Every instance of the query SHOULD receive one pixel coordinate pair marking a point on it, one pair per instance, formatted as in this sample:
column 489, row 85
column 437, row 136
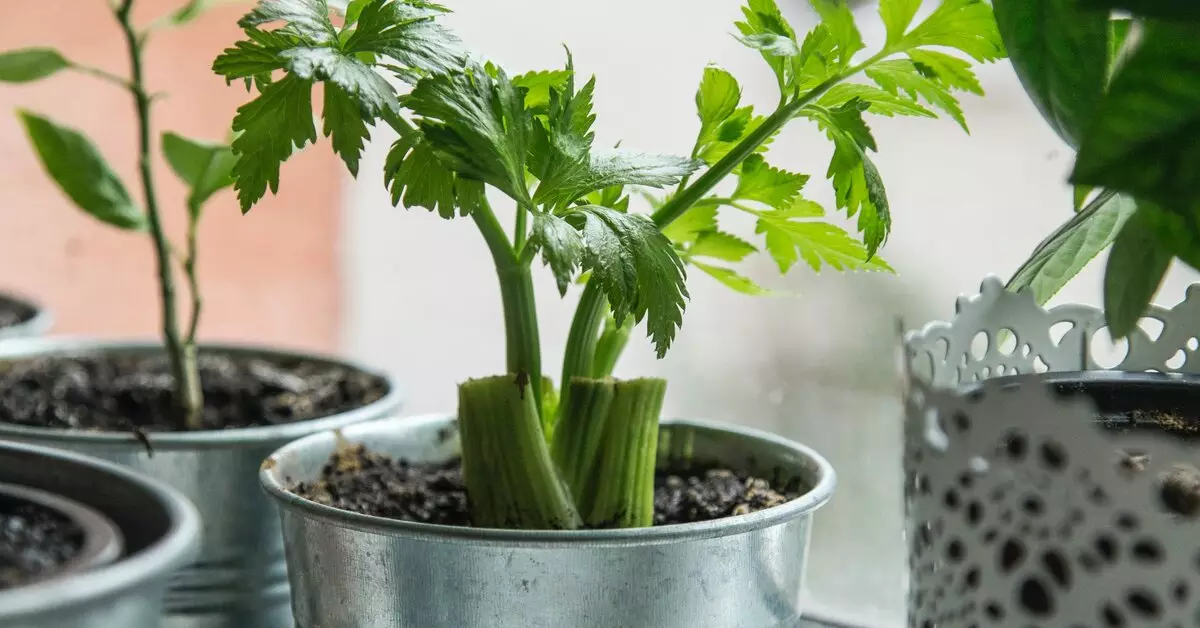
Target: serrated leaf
column 765, row 29
column 717, row 143
column 966, row 25
column 897, row 16
column 878, row 101
column 819, row 244
column 372, row 93
column 951, row 71
column 1135, row 270
column 638, row 269
column 561, row 246
column 307, row 19
column 347, row 126
column 30, row 64
column 74, row 163
column 732, row 279
column 758, row 181
column 900, row 76
column 1060, row 257
column 1059, row 52
column 1145, row 137
column 817, row 62
column 721, row 245
column 205, row 167
column 407, row 32
column 836, row 16
column 696, row 220
column 272, row 126
column 417, row 178
column 537, row 86
column 716, row 99
column 255, row 56
column 771, row 44
column 599, row 170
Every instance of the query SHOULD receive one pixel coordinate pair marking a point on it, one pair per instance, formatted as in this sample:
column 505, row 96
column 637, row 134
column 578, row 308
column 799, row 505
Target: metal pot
column 355, row 571
column 159, row 527
column 239, row 579
column 37, row 324
column 102, row 540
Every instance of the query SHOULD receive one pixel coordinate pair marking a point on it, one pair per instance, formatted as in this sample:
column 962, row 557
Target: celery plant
column 466, row 125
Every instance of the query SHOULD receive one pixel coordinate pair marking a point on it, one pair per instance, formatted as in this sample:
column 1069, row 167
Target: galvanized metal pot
column 355, row 571
column 239, row 579
column 38, row 324
column 159, row 527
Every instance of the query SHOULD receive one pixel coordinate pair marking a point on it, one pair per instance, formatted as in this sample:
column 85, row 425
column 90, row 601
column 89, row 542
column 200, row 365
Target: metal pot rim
column 159, row 560
column 102, row 539
column 19, row 348
column 817, row 496
column 41, row 322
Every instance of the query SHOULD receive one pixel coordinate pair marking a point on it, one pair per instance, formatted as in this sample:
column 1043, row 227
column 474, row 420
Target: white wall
column 422, row 299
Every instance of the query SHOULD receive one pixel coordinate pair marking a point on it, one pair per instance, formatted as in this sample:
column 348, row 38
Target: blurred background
column 330, row 265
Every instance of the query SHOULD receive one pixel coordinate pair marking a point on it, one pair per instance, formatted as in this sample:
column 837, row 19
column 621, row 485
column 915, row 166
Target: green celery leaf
column 722, row 246
column 1059, row 52
column 406, row 31
column 897, row 16
column 637, row 267
column 717, row 98
column 1136, row 267
column 817, row 62
column 345, row 124
column 307, row 19
column 357, row 80
column 878, row 101
column 561, row 246
column 900, row 76
column 696, row 220
column 951, row 71
column 417, row 178
column 477, row 124
column 765, row 29
column 836, row 16
column 73, row 161
column 1145, row 138
column 609, row 168
column 1060, row 257
column 966, row 25
column 256, row 55
column 1185, row 10
column 732, row 279
column 205, row 167
column 770, row 44
column 272, row 126
column 537, row 86
column 818, row 243
column 717, row 143
column 758, row 181
column 30, row 64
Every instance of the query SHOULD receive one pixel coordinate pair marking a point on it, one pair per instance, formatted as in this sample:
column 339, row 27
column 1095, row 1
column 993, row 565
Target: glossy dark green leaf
column 1136, row 267
column 82, row 173
column 1060, row 53
column 30, row 64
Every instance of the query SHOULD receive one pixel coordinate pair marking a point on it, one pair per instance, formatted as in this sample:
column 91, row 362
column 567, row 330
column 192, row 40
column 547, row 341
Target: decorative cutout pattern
column 1018, row 513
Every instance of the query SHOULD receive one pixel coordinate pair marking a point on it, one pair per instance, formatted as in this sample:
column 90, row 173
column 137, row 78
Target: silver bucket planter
column 239, row 579
column 158, row 526
column 38, row 323
column 356, row 571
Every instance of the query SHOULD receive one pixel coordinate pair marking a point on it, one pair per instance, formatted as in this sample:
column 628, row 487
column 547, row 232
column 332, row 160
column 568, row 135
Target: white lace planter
column 1028, row 505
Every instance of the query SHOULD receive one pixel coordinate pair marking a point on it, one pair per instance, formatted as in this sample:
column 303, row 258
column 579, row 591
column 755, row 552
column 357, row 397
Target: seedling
column 467, row 127
column 81, row 172
column 1124, row 90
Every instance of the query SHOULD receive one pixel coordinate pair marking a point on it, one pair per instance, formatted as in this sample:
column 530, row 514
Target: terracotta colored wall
column 267, row 277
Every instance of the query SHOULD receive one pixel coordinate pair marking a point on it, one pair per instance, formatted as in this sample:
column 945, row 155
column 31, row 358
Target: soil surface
column 14, row 312
column 1179, row 487
column 358, row 480
column 136, row 392
column 34, row 541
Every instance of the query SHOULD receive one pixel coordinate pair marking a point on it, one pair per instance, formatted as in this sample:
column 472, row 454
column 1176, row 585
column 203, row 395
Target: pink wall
column 268, row 277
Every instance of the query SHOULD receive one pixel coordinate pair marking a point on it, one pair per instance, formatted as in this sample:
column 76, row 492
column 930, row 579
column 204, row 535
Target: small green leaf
column 1184, row 10
column 897, row 16
column 1080, row 194
column 30, row 64
column 345, row 123
column 407, row 32
column 206, row 168
column 836, row 16
column 951, row 71
column 765, row 29
column 1135, row 270
column 1060, row 257
column 732, row 279
column 696, row 220
column 307, row 19
column 966, row 25
column 190, row 11
column 818, row 243
column 1059, row 52
column 537, row 86
column 722, row 246
column 878, row 101
column 418, row 178
column 81, row 172
column 772, row 44
column 611, row 168
column 272, row 126
column 900, row 76
column 1145, row 138
column 1118, row 34
column 716, row 99
column 758, row 181
column 561, row 246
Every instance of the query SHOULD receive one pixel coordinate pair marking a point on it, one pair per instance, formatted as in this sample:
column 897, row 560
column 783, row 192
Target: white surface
column 422, row 299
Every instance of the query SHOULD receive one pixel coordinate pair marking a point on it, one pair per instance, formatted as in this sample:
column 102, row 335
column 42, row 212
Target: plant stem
column 187, row 395
column 511, row 481
column 609, row 346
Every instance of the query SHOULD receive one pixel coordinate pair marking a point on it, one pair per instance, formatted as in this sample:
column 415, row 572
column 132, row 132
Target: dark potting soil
column 116, row 392
column 34, row 540
column 362, row 481
column 14, row 312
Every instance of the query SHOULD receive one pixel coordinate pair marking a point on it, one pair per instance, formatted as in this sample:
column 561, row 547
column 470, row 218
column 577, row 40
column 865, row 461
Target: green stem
column 511, row 480
column 188, row 396
column 606, row 446
column 610, row 345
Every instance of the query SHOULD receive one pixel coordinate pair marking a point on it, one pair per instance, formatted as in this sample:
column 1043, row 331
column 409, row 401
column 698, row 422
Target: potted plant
column 198, row 416
column 86, row 543
column 541, row 507
column 19, row 317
